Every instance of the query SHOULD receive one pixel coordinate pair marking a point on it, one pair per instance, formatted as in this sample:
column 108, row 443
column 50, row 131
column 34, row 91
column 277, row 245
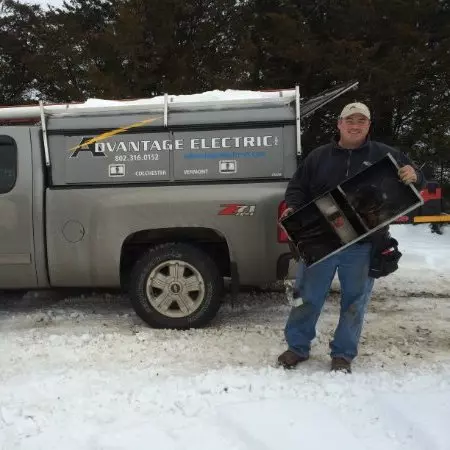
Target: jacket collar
column 336, row 146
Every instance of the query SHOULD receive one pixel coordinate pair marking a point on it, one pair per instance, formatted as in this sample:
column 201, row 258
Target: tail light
column 282, row 236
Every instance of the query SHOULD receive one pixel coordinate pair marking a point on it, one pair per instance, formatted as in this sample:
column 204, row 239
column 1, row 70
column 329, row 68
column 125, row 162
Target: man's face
column 354, row 128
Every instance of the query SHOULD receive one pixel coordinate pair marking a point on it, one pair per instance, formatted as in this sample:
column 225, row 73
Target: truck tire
column 177, row 286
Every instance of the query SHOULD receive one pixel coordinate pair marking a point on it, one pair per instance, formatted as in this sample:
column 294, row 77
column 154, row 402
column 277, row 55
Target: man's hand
column 407, row 174
column 286, row 212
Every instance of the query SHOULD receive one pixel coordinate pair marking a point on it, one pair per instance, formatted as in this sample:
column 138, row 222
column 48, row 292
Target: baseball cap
column 354, row 108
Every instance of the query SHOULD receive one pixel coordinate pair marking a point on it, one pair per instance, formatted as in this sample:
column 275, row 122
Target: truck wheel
column 176, row 286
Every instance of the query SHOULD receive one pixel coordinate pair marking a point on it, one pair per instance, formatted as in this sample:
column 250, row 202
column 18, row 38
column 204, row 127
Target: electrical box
column 352, row 211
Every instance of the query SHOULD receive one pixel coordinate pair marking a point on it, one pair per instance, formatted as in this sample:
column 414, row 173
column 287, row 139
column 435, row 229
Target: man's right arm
column 298, row 190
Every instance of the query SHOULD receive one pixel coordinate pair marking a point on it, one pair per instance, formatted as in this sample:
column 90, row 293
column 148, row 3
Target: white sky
column 44, row 3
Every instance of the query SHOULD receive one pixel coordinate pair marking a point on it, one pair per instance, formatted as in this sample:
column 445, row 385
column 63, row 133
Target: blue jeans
column 313, row 285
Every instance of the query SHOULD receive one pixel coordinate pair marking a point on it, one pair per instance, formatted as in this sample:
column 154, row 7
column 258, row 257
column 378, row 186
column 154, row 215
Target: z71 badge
column 236, row 209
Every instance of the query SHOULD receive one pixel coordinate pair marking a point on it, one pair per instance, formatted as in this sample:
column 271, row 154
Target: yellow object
column 426, row 219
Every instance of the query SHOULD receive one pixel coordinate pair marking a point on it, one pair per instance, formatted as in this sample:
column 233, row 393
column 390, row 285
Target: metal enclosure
column 252, row 139
column 354, row 210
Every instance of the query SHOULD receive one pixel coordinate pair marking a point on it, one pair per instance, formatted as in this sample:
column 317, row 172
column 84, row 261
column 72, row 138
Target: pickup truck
column 166, row 198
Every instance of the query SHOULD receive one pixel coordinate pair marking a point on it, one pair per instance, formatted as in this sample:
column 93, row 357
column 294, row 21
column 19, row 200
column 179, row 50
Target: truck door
column 17, row 268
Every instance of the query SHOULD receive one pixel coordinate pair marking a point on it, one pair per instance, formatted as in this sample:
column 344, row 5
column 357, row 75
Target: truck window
column 8, row 164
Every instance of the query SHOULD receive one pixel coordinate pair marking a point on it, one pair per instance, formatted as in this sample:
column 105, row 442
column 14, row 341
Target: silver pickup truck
column 166, row 200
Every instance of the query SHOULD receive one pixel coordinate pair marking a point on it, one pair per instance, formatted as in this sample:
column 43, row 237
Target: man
column 323, row 169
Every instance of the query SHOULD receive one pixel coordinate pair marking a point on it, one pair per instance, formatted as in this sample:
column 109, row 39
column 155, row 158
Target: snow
column 425, row 264
column 208, row 96
column 86, row 373
column 215, row 99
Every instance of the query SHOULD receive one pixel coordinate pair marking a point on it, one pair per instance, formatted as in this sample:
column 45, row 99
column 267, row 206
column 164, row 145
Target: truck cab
column 20, row 211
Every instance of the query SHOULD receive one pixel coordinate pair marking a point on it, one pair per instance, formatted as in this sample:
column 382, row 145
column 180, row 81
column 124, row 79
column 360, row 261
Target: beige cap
column 355, row 108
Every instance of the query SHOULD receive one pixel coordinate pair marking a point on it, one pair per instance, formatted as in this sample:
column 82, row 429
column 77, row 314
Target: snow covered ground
column 86, row 373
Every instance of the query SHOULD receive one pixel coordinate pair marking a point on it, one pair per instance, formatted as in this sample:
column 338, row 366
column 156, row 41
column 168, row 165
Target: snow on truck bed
column 209, row 96
column 85, row 373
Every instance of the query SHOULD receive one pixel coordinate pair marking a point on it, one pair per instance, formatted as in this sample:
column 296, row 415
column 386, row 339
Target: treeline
column 398, row 50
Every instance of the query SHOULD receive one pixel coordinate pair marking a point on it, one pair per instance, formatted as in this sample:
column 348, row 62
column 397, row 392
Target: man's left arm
column 409, row 172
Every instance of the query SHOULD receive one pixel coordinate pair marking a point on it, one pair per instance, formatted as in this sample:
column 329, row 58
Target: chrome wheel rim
column 175, row 288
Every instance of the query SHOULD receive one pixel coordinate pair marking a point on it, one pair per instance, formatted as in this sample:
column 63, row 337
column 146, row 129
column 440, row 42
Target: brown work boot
column 341, row 365
column 289, row 359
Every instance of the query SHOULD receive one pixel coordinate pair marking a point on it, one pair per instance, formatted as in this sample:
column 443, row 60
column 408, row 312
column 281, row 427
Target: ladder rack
column 158, row 105
column 162, row 104
column 151, row 105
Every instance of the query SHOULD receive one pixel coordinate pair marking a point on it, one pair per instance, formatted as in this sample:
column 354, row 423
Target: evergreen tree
column 399, row 51
column 18, row 45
